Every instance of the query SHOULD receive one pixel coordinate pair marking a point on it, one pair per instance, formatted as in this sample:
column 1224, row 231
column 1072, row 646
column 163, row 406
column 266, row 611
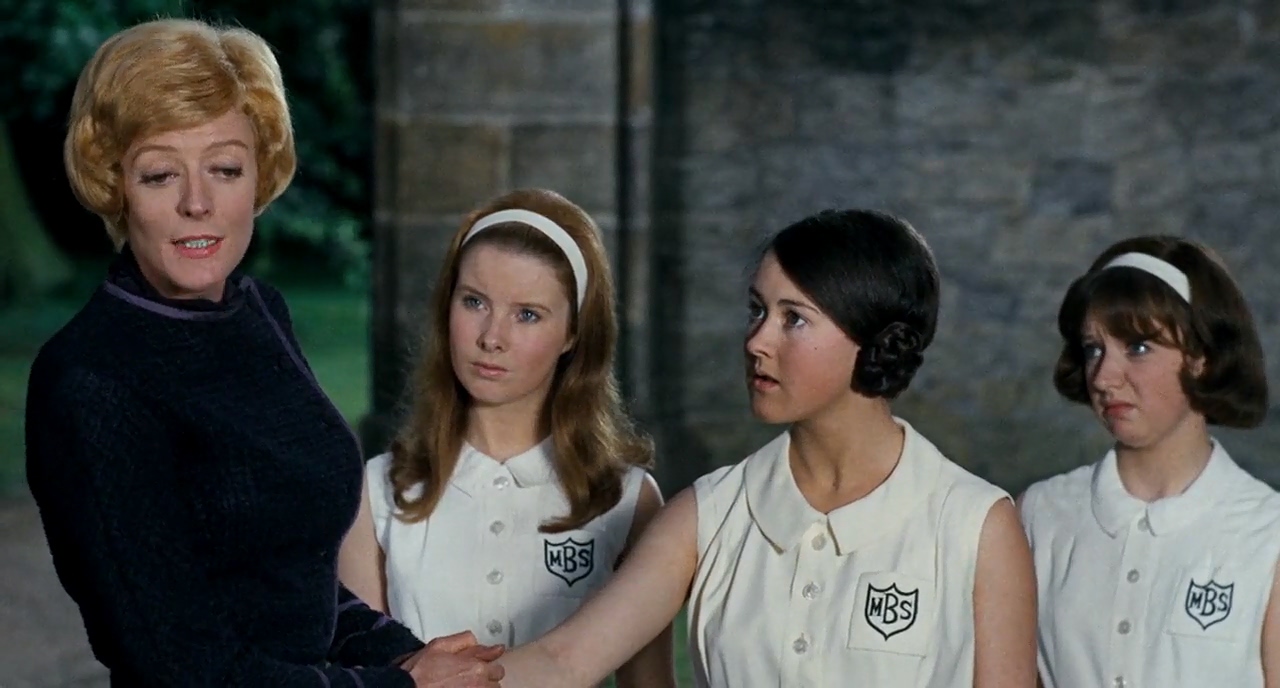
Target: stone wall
column 1020, row 136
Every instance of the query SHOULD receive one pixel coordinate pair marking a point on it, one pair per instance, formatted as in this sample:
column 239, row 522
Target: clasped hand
column 455, row 661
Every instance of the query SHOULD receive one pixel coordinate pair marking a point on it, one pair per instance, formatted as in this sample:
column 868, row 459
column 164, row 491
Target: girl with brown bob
column 1156, row 566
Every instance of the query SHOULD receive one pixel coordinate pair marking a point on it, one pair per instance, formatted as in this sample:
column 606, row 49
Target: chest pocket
column 893, row 615
column 571, row 564
column 1212, row 603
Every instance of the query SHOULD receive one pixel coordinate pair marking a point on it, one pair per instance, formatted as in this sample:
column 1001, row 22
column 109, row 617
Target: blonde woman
column 193, row 480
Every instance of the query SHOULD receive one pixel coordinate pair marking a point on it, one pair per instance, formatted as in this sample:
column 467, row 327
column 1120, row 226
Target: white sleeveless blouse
column 479, row 563
column 876, row 593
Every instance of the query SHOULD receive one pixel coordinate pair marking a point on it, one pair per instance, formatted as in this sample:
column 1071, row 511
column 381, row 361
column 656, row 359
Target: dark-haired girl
column 849, row 550
column 1157, row 564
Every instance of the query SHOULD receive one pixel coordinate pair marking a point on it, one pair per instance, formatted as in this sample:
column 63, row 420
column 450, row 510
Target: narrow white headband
column 1167, row 273
column 553, row 231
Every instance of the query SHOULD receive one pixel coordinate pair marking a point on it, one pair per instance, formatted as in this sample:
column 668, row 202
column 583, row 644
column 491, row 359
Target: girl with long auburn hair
column 517, row 482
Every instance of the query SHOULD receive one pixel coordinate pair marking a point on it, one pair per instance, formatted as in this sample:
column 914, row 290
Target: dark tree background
column 324, row 51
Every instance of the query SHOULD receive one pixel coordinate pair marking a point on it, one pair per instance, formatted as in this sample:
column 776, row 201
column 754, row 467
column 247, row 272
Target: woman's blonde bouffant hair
column 166, row 75
column 594, row 440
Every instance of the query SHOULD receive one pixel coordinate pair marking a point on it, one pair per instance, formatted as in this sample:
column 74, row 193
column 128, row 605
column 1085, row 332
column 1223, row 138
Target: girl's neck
column 845, row 453
column 502, row 432
column 1169, row 466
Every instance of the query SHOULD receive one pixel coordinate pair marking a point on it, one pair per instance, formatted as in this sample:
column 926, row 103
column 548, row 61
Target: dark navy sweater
column 195, row 484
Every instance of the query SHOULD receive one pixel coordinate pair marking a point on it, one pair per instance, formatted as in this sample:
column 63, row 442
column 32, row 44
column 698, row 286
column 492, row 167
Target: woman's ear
column 1195, row 366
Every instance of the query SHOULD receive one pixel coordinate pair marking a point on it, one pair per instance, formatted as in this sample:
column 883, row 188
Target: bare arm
column 1004, row 604
column 629, row 612
column 654, row 665
column 1271, row 637
column 361, row 565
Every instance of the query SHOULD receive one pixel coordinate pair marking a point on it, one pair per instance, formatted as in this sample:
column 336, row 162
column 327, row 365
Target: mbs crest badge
column 890, row 610
column 569, row 560
column 1210, row 603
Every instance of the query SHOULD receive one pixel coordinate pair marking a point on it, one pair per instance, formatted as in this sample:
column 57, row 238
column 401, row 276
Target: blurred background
column 1020, row 136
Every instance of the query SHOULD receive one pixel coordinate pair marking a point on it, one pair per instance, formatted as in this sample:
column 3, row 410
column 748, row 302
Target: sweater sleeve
column 367, row 637
column 101, row 469
column 364, row 635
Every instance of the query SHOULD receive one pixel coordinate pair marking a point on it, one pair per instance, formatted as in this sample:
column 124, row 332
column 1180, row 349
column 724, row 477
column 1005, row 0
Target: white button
column 501, row 481
column 801, row 645
column 495, row 627
column 1123, row 627
column 1144, row 525
column 1119, row 682
column 494, row 577
column 811, row 591
column 819, row 541
column 497, row 527
column 1133, row 576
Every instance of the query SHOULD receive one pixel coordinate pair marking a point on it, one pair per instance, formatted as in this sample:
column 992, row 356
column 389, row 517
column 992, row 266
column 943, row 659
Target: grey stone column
column 477, row 97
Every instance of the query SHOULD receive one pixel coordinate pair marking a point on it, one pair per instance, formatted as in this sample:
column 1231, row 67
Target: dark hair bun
column 886, row 364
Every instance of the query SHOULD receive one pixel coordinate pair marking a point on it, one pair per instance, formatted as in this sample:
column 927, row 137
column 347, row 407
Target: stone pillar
column 477, row 97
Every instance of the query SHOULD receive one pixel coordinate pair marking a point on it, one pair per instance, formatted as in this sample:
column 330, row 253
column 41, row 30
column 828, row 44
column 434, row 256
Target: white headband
column 1167, row 273
column 553, row 231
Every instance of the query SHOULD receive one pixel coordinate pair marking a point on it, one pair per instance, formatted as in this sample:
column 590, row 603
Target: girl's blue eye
column 528, row 316
column 470, row 301
column 1139, row 348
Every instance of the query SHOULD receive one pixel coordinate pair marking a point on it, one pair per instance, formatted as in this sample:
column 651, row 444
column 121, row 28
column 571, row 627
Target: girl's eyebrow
column 792, row 303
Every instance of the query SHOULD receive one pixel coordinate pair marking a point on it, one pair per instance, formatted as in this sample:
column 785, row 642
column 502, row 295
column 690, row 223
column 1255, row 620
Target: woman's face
column 509, row 323
column 189, row 196
column 1135, row 387
column 799, row 362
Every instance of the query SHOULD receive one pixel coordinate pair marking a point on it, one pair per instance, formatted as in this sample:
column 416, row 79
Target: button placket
column 1132, row 588
column 490, row 566
column 806, row 587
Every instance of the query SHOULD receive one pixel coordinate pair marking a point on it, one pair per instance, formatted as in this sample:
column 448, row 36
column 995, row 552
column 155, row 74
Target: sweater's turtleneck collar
column 126, row 281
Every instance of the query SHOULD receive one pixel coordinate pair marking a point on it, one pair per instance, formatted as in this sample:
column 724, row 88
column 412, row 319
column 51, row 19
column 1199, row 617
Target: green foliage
column 323, row 47
column 47, row 42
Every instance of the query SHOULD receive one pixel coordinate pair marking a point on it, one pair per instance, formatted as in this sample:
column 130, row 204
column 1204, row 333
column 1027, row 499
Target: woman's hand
column 455, row 661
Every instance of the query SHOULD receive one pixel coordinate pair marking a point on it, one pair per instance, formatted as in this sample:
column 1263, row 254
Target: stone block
column 1232, row 220
column 1164, row 220
column 451, row 5
column 1224, row 164
column 419, row 252
column 723, row 114
column 961, row 235
column 1047, row 120
column 568, row 7
column 723, row 181
column 950, row 177
column 1054, row 242
column 577, row 160
column 1123, row 119
column 508, row 68
column 1154, row 180
column 803, row 179
column 639, row 182
column 640, row 73
column 842, row 107
column 448, row 168
column 1237, row 102
column 941, row 104
column 714, row 384
column 1071, row 187
column 386, row 58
